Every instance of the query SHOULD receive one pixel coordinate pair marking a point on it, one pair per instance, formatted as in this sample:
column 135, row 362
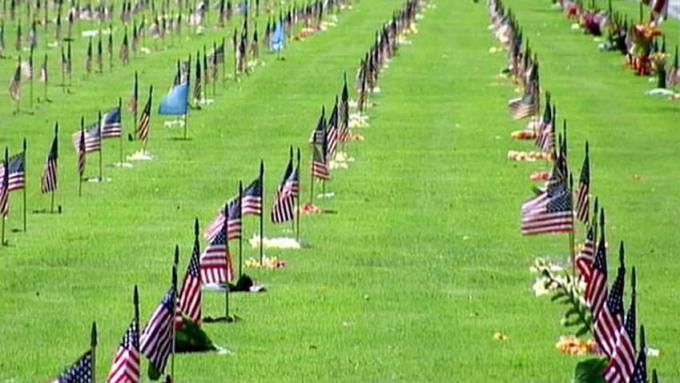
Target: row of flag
column 89, row 139
column 557, row 207
column 275, row 37
column 181, row 307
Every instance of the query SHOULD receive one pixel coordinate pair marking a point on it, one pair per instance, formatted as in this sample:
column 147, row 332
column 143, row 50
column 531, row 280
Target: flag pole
column 240, row 237
column 224, row 63
column 93, row 347
column 120, row 138
column 63, row 75
column 174, row 311
column 297, row 207
column 235, row 53
column 80, row 174
column 225, row 227
column 311, row 180
column 136, row 96
column 135, row 301
column 214, row 62
column 101, row 145
column 186, row 121
column 25, row 178
column 262, row 212
column 30, row 87
column 46, row 78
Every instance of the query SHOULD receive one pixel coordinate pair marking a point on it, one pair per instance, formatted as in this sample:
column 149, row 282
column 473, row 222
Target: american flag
column 80, row 372
column 660, row 10
column 622, row 362
column 198, row 90
column 233, row 221
column 596, row 290
column 109, row 48
column 57, row 32
column 125, row 50
column 615, row 299
column 584, row 260
column 17, row 171
column 606, row 326
column 145, row 120
column 27, row 68
column 4, row 190
column 319, row 165
column 582, row 197
column 157, row 338
column 549, row 212
column 252, row 198
column 190, row 295
column 640, row 371
column 64, row 62
column 125, row 366
column 91, row 138
column 88, row 59
column 332, row 132
column 343, row 111
column 15, row 84
column 134, row 98
column 43, row 71
column 33, row 36
column 242, row 57
column 319, row 133
column 111, row 123
column 206, row 71
column 284, row 203
column 216, row 265
column 82, row 154
column 524, row 106
column 100, row 55
column 49, row 178
column 546, row 130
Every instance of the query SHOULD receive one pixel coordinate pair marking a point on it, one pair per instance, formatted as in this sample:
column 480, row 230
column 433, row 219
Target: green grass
column 422, row 263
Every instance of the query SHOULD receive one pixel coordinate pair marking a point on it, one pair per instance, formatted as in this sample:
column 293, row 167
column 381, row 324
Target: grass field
column 423, row 262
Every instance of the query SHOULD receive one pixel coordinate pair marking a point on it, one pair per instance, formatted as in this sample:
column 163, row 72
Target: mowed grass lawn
column 423, row 261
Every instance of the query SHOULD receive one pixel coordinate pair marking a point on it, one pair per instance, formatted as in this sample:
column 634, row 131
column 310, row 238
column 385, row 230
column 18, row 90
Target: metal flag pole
column 135, row 95
column 101, row 146
column 30, row 85
column 46, row 79
column 135, row 301
column 311, row 179
column 225, row 228
column 214, row 64
column 235, row 52
column 240, row 236
column 63, row 73
column 262, row 212
column 297, row 204
column 120, row 138
column 224, row 62
column 93, row 347
column 174, row 310
column 81, row 149
column 25, row 178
